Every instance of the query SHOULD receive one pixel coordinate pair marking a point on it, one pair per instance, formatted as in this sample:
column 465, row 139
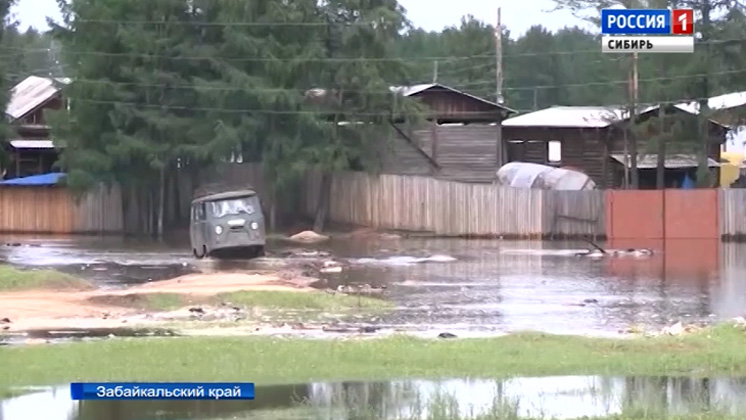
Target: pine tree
column 132, row 114
column 358, row 87
column 6, row 26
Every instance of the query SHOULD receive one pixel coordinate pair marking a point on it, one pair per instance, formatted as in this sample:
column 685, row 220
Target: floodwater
column 567, row 397
column 467, row 286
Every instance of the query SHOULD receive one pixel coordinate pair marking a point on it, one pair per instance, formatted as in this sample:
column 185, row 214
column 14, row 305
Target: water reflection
column 549, row 397
column 493, row 286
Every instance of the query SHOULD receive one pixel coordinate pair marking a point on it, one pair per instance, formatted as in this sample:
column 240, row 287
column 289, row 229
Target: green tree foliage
column 32, row 53
column 164, row 88
column 7, row 27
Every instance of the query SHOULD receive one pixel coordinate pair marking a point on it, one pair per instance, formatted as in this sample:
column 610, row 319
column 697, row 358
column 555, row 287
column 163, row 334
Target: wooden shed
column 588, row 138
column 459, row 143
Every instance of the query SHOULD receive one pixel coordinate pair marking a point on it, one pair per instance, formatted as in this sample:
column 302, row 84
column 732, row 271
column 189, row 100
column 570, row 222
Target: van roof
column 225, row 195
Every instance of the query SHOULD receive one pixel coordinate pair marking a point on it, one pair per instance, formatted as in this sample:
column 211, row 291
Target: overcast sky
column 517, row 15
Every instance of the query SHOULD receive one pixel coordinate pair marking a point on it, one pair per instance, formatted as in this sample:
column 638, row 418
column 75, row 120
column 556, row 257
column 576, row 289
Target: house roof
column 32, row 144
column 582, row 116
column 419, row 88
column 679, row 161
column 568, row 116
column 721, row 102
column 31, row 93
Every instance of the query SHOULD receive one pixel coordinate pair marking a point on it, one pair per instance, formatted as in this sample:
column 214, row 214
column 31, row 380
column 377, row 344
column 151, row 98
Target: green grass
column 301, row 301
column 15, row 279
column 271, row 360
column 144, row 301
column 273, row 300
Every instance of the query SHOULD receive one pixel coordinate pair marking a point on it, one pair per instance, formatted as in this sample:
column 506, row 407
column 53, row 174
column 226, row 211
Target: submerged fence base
column 458, row 209
column 485, row 210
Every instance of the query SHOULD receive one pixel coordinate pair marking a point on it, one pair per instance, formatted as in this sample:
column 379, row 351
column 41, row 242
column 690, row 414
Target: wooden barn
column 31, row 149
column 593, row 139
column 459, row 142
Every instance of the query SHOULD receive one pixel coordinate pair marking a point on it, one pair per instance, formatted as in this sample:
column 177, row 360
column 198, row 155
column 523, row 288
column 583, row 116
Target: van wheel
column 256, row 252
column 198, row 255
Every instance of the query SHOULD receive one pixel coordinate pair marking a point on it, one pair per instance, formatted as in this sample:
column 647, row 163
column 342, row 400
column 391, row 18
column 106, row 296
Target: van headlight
column 218, row 230
column 254, row 225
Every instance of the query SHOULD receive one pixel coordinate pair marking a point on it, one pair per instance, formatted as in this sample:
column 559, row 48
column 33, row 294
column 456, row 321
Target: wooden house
column 459, row 142
column 30, row 147
column 593, row 139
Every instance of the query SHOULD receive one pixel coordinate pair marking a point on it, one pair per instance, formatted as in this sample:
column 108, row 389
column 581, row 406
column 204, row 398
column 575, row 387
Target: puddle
column 567, row 397
column 462, row 286
column 404, row 260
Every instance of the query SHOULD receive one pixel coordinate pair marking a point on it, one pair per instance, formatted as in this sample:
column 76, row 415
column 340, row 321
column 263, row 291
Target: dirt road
column 44, row 309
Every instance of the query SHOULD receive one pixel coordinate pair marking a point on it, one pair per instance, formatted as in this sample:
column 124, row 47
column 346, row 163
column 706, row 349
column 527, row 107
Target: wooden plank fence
column 411, row 203
column 55, row 210
column 732, row 214
column 458, row 209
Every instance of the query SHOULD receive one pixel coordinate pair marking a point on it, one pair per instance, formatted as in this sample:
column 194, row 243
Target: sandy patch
column 42, row 309
column 211, row 284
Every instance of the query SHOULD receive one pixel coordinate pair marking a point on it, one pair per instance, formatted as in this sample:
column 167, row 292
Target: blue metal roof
column 44, row 179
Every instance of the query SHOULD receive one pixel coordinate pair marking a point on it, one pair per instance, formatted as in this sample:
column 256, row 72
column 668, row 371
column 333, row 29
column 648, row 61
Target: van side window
column 202, row 211
column 198, row 212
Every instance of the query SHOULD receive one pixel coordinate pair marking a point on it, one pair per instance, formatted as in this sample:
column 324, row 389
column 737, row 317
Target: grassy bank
column 277, row 300
column 16, row 279
column 270, row 360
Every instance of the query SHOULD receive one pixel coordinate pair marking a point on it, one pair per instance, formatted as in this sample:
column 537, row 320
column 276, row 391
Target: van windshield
column 233, row 207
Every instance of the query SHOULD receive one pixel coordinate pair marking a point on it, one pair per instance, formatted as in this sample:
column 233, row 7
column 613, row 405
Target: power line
column 344, row 59
column 391, row 92
column 322, row 112
column 219, row 24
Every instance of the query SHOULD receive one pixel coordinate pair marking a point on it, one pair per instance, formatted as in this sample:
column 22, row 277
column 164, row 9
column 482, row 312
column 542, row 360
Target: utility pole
column 499, row 57
column 435, row 71
column 633, row 120
column 499, row 88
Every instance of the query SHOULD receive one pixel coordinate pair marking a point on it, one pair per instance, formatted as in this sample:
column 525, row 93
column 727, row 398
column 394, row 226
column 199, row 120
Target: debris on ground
column 330, row 266
column 361, row 289
column 590, row 300
column 676, row 329
column 446, row 335
column 308, row 236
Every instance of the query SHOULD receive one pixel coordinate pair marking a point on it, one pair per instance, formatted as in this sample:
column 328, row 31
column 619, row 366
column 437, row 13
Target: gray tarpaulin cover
column 534, row 175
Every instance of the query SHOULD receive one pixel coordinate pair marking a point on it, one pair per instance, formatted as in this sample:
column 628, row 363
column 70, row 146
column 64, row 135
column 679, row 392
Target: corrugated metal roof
column 29, row 94
column 721, row 102
column 678, row 161
column 581, row 116
column 32, row 144
column 568, row 116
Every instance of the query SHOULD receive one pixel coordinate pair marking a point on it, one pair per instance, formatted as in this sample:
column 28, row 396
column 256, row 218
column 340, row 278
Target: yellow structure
column 730, row 171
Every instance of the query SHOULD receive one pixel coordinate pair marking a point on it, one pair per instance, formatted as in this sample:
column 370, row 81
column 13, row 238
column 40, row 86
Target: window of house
column 554, row 151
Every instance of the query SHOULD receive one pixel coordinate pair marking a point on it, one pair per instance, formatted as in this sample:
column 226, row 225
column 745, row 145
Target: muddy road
column 465, row 287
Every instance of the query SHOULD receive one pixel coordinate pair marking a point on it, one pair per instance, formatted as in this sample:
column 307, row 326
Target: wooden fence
column 733, row 214
column 459, row 209
column 411, row 203
column 55, row 210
